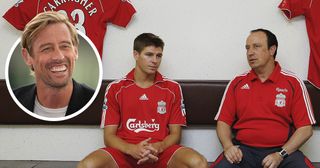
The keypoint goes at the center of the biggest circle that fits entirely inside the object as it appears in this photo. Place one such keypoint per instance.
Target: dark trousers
(252, 158)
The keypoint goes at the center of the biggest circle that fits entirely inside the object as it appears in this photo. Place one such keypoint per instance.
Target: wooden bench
(202, 99)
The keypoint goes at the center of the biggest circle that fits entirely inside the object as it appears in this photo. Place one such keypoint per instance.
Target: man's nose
(58, 54)
(250, 52)
(154, 59)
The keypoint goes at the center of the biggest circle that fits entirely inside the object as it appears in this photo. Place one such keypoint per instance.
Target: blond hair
(39, 22)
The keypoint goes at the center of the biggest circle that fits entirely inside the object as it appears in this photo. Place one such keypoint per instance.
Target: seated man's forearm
(299, 137)
(224, 134)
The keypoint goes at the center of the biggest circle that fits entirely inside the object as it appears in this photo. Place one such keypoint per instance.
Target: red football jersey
(257, 110)
(141, 113)
(89, 16)
(310, 9)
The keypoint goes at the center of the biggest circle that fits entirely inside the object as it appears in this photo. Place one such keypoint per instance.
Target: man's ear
(272, 50)
(27, 58)
(135, 54)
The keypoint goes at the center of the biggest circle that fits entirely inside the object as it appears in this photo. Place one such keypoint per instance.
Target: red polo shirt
(141, 113)
(262, 113)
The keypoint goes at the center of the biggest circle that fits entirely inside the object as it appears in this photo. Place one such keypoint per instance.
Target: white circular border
(57, 118)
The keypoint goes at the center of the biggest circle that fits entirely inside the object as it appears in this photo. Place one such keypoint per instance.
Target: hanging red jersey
(89, 16)
(310, 9)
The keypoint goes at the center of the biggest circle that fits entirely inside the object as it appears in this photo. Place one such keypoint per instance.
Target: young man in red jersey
(269, 110)
(142, 117)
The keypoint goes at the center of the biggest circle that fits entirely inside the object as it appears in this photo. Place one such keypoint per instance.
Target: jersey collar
(273, 77)
(158, 78)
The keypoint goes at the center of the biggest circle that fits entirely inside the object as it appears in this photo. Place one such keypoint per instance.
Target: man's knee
(86, 163)
(195, 159)
(198, 161)
(93, 163)
(97, 159)
(187, 157)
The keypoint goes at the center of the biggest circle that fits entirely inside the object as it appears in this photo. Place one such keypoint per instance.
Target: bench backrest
(202, 100)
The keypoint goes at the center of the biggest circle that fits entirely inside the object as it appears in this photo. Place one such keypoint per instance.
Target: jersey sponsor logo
(17, 3)
(280, 100)
(245, 87)
(161, 109)
(139, 126)
(281, 90)
(143, 97)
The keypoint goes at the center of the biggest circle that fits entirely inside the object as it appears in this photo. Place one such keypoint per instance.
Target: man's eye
(45, 49)
(65, 46)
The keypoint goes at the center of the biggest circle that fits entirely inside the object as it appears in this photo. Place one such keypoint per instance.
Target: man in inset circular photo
(50, 50)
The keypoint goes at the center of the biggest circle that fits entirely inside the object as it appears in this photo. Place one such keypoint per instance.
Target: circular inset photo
(54, 79)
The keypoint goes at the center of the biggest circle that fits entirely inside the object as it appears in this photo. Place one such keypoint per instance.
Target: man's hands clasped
(145, 152)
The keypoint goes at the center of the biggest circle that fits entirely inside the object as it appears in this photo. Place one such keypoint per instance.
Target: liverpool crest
(280, 100)
(161, 107)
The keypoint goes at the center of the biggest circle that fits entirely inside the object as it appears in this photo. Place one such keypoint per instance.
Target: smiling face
(53, 56)
(148, 60)
(259, 56)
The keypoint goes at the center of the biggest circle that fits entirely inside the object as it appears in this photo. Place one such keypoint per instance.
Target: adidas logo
(143, 97)
(245, 86)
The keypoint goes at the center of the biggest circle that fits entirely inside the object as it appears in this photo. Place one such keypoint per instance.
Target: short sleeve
(118, 12)
(21, 13)
(227, 109)
(178, 114)
(301, 111)
(293, 8)
(110, 109)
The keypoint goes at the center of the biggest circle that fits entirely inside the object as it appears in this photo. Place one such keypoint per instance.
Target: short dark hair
(271, 39)
(145, 40)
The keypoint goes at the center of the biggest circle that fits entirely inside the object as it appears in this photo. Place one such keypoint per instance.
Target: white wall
(65, 143)
(204, 40)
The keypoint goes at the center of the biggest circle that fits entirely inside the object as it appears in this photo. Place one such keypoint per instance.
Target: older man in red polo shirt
(269, 110)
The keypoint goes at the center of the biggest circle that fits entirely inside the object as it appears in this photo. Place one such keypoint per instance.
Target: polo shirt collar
(273, 77)
(158, 78)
